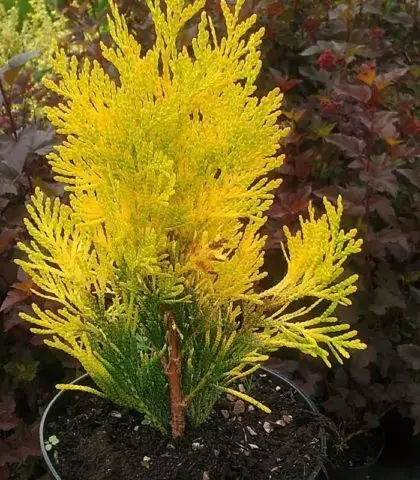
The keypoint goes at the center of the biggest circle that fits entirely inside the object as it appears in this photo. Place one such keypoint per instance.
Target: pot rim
(312, 476)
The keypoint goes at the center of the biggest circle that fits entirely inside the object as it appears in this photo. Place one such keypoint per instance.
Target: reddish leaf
(351, 145)
(36, 340)
(12, 320)
(336, 404)
(290, 204)
(312, 50)
(384, 126)
(188, 35)
(7, 237)
(42, 141)
(14, 297)
(384, 118)
(313, 73)
(15, 214)
(386, 79)
(331, 192)
(411, 354)
(400, 18)
(8, 419)
(47, 476)
(4, 473)
(384, 299)
(362, 93)
(28, 442)
(381, 176)
(8, 453)
(383, 208)
(362, 358)
(415, 414)
(3, 201)
(274, 9)
(411, 175)
(311, 386)
(25, 285)
(357, 400)
(50, 189)
(18, 447)
(13, 156)
(31, 140)
(356, 164)
(361, 375)
(389, 237)
(284, 83)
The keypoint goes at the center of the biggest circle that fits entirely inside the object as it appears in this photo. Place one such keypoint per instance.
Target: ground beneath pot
(361, 450)
(99, 441)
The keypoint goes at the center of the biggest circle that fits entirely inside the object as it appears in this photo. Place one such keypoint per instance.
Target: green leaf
(324, 130)
(53, 440)
(387, 5)
(22, 371)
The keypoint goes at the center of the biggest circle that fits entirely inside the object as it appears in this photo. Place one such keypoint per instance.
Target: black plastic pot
(339, 472)
(55, 404)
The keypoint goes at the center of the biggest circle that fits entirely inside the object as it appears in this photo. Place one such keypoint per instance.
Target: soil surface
(100, 441)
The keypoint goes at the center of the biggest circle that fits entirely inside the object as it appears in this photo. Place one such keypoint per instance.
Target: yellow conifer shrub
(155, 260)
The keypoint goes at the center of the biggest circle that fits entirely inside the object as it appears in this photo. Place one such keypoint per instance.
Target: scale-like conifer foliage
(156, 259)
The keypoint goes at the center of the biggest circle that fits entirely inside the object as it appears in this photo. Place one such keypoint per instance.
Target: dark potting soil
(100, 441)
(360, 451)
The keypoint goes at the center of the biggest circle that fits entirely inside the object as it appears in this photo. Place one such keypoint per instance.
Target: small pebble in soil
(196, 446)
(287, 418)
(267, 427)
(239, 407)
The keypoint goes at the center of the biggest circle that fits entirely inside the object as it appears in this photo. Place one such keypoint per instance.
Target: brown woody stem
(173, 372)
